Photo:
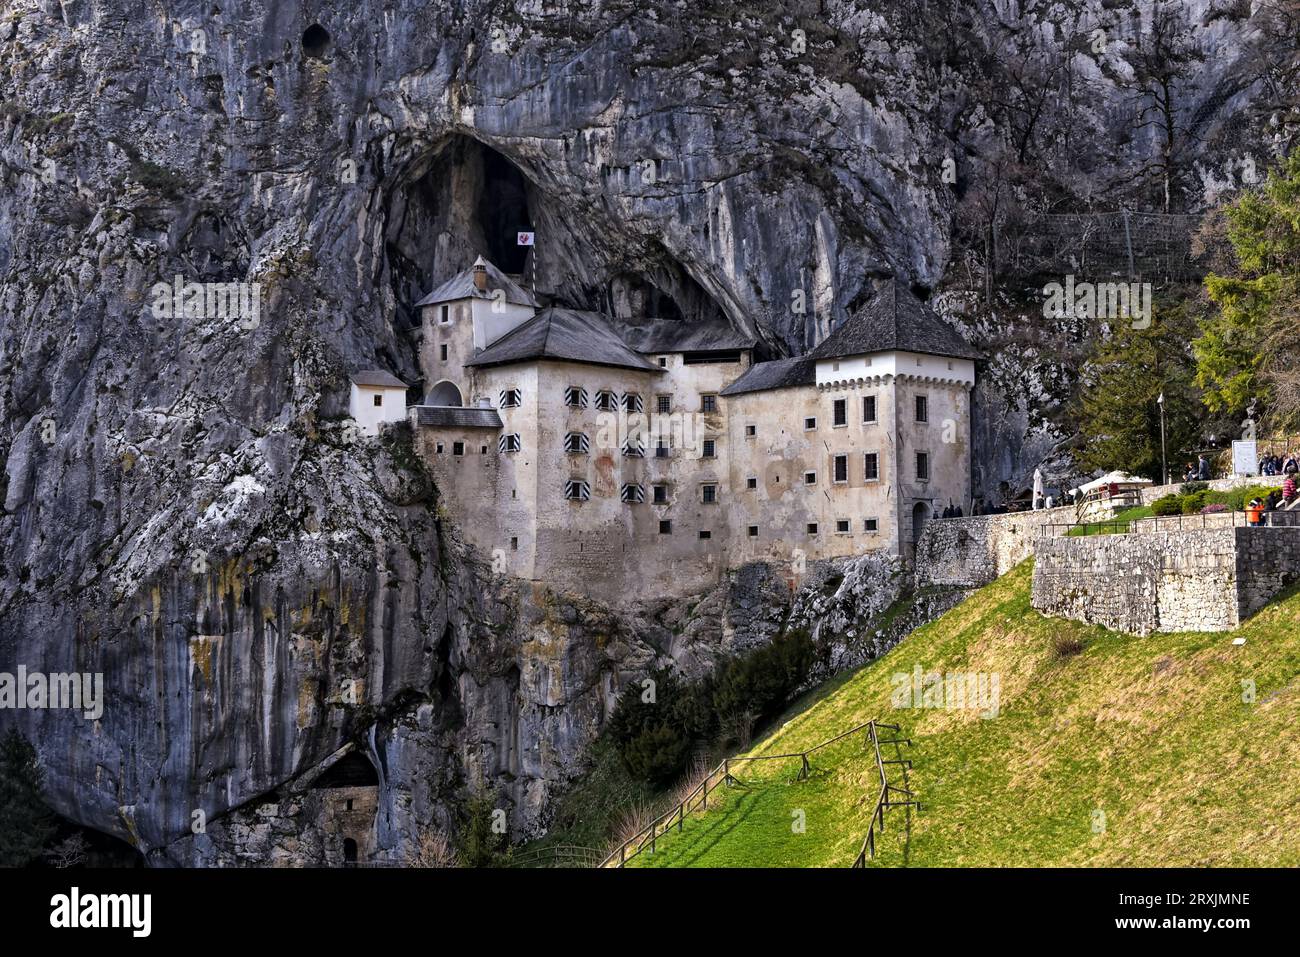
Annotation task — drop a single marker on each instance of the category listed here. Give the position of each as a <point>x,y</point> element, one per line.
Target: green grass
<point>1113,526</point>
<point>1151,732</point>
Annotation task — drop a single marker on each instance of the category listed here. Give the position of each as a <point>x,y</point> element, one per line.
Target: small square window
<point>458,448</point>
<point>753,531</point>
<point>751,482</point>
<point>812,528</point>
<point>664,403</point>
<point>442,352</point>
<point>508,443</point>
<point>710,449</point>
<point>809,478</point>
<point>606,401</point>
<point>810,423</point>
<point>633,494</point>
<point>575,397</point>
<point>577,490</point>
<point>379,400</point>
<point>868,408</point>
<point>751,431</point>
<point>871,525</point>
<point>922,409</point>
<point>708,404</point>
<point>842,526</point>
<point>439,448</point>
<point>705,535</point>
<point>510,398</point>
<point>661,494</point>
<point>632,402</point>
<point>840,412</point>
<point>663,362</point>
<point>577,443</point>
<point>482,450</point>
<point>665,527</point>
<point>708,494</point>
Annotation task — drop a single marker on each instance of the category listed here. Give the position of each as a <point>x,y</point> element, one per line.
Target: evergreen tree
<point>1126,375</point>
<point>1248,350</point>
<point>25,822</point>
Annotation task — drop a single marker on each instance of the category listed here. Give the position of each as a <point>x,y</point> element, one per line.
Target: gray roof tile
<point>463,417</point>
<point>461,286</point>
<point>776,374</point>
<point>377,377</point>
<point>894,319</point>
<point>567,334</point>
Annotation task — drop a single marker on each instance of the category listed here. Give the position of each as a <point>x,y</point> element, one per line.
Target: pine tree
<point>1248,351</point>
<point>1119,412</point>
<point>25,822</point>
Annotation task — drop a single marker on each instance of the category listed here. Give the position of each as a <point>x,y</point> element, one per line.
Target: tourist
<point>1255,512</point>
<point>1291,467</point>
<point>1189,473</point>
<point>1202,468</point>
<point>1288,489</point>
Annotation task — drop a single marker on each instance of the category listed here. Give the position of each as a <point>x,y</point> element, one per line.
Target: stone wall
<point>1204,580</point>
<point>969,552</point>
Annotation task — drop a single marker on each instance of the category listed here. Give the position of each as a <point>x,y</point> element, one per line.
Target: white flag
<point>524,239</point>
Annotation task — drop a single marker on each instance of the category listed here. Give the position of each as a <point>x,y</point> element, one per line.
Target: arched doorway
<point>920,515</point>
<point>444,393</point>
<point>349,852</point>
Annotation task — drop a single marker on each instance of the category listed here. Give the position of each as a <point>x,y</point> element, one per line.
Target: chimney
<point>480,275</point>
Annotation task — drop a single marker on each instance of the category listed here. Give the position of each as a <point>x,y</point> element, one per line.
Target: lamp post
<point>1164,467</point>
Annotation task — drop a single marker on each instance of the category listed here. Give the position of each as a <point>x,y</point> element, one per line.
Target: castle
<point>631,459</point>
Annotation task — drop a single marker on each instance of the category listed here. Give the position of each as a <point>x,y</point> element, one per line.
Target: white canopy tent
<point>1121,479</point>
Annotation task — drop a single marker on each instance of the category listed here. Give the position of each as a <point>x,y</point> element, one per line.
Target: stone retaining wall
<point>970,552</point>
<point>1203,580</point>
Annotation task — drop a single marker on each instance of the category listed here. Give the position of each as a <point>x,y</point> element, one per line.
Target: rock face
<point>183,509</point>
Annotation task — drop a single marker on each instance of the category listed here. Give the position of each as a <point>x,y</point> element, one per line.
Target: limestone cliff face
<point>182,508</point>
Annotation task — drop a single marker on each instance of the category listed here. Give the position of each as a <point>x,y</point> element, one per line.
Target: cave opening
<point>315,41</point>
<point>503,212</point>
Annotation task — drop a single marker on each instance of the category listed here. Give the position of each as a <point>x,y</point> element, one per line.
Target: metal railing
<point>698,797</point>
<point>883,799</point>
<point>1278,518</point>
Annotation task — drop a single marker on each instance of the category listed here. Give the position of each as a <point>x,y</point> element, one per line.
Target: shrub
<point>1191,488</point>
<point>1067,646</point>
<point>759,684</point>
<point>25,821</point>
<point>1167,505</point>
<point>1194,502</point>
<point>657,754</point>
<point>1214,507</point>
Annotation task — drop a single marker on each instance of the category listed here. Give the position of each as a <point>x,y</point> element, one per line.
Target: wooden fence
<point>698,798</point>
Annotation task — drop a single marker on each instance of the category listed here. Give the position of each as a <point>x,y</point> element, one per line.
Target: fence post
<point>803,774</point>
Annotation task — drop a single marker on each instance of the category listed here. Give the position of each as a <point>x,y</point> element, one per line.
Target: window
<point>442,352</point>
<point>812,528</point>
<point>439,448</point>
<point>871,524</point>
<point>708,404</point>
<point>710,449</point>
<point>751,431</point>
<point>458,448</point>
<point>868,408</point>
<point>508,443</point>
<point>660,494</point>
<point>705,536</point>
<point>661,448</point>
<point>576,490</point>
<point>510,398</point>
<point>922,409</point>
<point>632,402</point>
<point>840,412</point>
<point>633,494</point>
<point>923,466</point>
<point>664,403</point>
<point>606,401</point>
<point>871,468</point>
<point>632,447</point>
<point>514,544</point>
<point>810,423</point>
<point>444,314</point>
<point>665,527</point>
<point>841,469</point>
<point>842,526</point>
<point>751,482</point>
<point>575,396</point>
<point>482,450</point>
<point>809,478</point>
<point>753,531</point>
<point>379,399</point>
<point>663,362</point>
<point>708,494</point>
<point>575,443</point>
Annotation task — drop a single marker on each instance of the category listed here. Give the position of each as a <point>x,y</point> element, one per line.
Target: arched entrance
<point>920,515</point>
<point>444,393</point>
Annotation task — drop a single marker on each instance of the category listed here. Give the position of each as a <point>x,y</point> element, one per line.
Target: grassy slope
<point>1152,731</point>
